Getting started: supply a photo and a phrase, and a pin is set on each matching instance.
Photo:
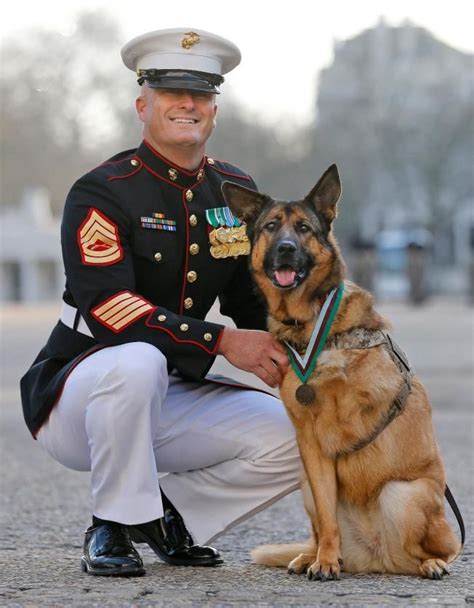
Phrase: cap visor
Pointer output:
(183, 84)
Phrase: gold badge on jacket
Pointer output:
(228, 237)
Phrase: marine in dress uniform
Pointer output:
(120, 388)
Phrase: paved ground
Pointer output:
(44, 508)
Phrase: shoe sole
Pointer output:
(117, 572)
(138, 537)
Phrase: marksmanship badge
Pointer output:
(228, 237)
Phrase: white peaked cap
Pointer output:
(181, 49)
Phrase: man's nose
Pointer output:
(286, 246)
(186, 100)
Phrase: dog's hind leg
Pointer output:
(427, 542)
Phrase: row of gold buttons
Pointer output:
(185, 327)
(193, 250)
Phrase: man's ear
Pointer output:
(326, 193)
(243, 202)
(140, 106)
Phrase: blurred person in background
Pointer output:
(120, 388)
(364, 262)
(417, 262)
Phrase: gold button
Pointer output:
(158, 257)
(200, 174)
(189, 195)
(194, 249)
(173, 174)
(210, 161)
(208, 337)
(188, 303)
(191, 276)
(193, 220)
(161, 317)
(134, 162)
(184, 327)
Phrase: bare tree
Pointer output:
(63, 100)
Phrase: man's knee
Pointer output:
(275, 439)
(139, 368)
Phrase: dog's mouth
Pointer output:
(286, 277)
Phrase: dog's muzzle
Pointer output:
(285, 266)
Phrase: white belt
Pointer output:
(68, 316)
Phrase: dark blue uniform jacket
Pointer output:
(136, 251)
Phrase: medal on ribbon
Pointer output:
(303, 366)
(228, 237)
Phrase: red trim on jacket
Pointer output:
(135, 170)
(246, 177)
(186, 251)
(113, 162)
(168, 181)
(170, 333)
(174, 165)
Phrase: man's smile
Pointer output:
(185, 121)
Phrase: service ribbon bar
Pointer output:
(157, 222)
(304, 366)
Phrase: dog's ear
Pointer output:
(243, 202)
(326, 193)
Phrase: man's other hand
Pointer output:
(256, 352)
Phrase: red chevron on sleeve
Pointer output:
(98, 240)
(122, 309)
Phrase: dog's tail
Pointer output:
(279, 556)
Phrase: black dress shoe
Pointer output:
(108, 551)
(170, 540)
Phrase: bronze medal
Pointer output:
(305, 394)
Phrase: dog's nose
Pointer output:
(286, 247)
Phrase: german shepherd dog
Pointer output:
(375, 479)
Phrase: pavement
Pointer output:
(45, 507)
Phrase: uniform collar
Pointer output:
(168, 171)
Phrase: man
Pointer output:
(120, 389)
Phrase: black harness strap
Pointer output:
(457, 513)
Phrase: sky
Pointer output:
(284, 44)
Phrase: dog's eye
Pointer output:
(303, 229)
(271, 226)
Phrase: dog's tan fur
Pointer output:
(381, 508)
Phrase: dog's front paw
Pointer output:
(300, 564)
(325, 570)
(434, 569)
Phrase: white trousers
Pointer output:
(220, 454)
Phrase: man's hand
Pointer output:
(256, 352)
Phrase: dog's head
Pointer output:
(291, 240)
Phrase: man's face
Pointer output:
(176, 117)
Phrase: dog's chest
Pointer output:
(331, 370)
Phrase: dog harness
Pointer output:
(360, 338)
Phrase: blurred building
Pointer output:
(31, 266)
(396, 112)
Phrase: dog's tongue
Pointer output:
(285, 276)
